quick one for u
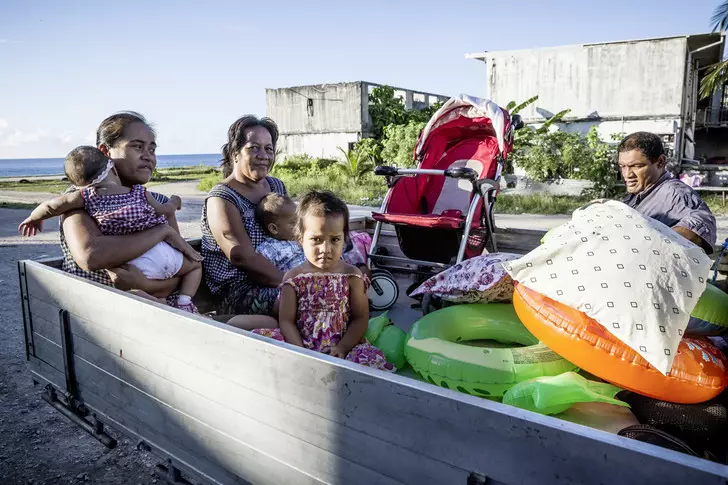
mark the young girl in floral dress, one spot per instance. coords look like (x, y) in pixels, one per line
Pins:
(323, 304)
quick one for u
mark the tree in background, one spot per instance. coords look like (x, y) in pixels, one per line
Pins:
(546, 153)
(717, 74)
(395, 129)
(399, 143)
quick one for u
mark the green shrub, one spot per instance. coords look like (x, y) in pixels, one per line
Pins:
(303, 173)
(399, 143)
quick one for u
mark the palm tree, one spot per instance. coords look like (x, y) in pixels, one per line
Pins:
(717, 74)
(355, 164)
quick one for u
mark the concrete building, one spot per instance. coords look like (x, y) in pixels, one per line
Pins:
(620, 87)
(316, 120)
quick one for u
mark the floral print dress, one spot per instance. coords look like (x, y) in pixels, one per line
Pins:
(323, 315)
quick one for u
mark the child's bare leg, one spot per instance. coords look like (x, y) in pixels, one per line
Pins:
(147, 296)
(250, 322)
(191, 275)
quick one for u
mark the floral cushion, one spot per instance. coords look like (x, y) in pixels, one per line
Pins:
(481, 279)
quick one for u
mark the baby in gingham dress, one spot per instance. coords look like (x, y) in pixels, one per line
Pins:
(120, 210)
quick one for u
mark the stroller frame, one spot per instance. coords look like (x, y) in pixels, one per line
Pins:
(483, 191)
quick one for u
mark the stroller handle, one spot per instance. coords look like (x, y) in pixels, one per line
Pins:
(458, 172)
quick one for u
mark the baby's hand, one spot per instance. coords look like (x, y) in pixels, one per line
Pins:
(337, 351)
(178, 242)
(190, 253)
(30, 228)
(175, 201)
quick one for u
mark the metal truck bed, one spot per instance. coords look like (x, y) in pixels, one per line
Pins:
(221, 405)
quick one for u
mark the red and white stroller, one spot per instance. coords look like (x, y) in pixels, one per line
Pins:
(442, 211)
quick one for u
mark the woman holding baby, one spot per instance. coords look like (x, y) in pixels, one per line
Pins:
(248, 227)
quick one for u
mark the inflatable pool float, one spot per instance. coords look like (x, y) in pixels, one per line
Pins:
(698, 372)
(388, 338)
(435, 350)
(556, 394)
(710, 315)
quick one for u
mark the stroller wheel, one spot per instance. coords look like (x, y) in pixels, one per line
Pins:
(383, 292)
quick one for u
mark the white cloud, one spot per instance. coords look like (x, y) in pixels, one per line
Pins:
(19, 143)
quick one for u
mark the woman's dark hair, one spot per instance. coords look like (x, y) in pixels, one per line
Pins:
(83, 164)
(111, 130)
(236, 139)
(322, 203)
(648, 143)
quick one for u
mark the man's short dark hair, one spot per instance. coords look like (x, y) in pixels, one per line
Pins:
(648, 143)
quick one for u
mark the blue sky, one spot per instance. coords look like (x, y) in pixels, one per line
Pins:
(193, 67)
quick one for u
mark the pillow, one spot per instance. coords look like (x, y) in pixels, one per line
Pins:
(634, 275)
(481, 279)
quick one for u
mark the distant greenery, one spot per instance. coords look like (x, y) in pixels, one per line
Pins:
(546, 153)
(160, 176)
(17, 205)
(539, 204)
(349, 180)
(566, 204)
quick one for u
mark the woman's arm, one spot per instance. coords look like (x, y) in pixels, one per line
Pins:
(287, 316)
(129, 277)
(229, 232)
(93, 251)
(359, 316)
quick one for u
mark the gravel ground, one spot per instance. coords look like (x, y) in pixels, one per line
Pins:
(37, 444)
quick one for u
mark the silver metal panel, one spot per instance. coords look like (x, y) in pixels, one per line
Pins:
(237, 404)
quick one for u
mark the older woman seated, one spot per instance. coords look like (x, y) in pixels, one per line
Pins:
(236, 270)
(245, 281)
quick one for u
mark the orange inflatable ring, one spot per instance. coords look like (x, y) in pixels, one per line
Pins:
(698, 372)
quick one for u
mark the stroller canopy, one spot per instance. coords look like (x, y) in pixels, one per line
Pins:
(459, 118)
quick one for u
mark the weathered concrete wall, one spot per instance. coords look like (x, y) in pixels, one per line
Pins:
(323, 145)
(626, 79)
(335, 108)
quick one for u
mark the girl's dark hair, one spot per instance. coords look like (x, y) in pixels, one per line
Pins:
(236, 139)
(83, 164)
(648, 143)
(111, 130)
(322, 203)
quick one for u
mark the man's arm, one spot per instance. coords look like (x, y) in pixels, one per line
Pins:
(696, 223)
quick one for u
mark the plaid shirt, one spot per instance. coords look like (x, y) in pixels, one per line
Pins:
(121, 214)
(219, 271)
(285, 255)
(100, 276)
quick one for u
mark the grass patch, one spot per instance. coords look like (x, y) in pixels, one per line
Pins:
(715, 203)
(17, 205)
(367, 190)
(161, 176)
(538, 204)
(35, 185)
(182, 174)
(566, 204)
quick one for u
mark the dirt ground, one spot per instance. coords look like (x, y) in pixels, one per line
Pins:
(37, 444)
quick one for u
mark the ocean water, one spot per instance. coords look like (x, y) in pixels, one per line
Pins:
(32, 167)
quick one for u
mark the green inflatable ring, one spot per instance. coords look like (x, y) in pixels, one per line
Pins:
(710, 315)
(433, 350)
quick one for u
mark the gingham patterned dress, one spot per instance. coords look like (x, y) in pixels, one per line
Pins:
(238, 294)
(100, 276)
